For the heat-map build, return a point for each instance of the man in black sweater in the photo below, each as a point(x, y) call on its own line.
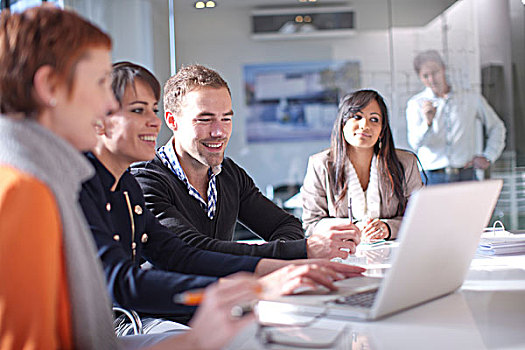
point(199, 194)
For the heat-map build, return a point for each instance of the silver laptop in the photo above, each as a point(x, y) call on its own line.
point(438, 238)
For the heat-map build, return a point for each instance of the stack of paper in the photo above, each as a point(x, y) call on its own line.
point(502, 244)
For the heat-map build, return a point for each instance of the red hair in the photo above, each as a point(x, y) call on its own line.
point(41, 36)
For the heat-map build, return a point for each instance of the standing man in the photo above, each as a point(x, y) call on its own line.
point(189, 184)
point(443, 125)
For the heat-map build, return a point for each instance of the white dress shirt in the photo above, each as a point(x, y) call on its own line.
point(365, 204)
point(454, 137)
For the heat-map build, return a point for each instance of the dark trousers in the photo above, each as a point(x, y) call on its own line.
point(440, 176)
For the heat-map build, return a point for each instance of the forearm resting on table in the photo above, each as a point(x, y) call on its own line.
point(266, 266)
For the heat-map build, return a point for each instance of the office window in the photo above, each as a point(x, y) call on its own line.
point(480, 41)
point(21, 5)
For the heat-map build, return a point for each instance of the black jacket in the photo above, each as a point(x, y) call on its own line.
point(147, 291)
point(238, 199)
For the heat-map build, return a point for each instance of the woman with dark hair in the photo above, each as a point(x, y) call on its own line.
point(361, 175)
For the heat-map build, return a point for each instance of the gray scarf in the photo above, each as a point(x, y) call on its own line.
point(33, 149)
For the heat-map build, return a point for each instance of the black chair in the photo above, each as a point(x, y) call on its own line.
point(280, 194)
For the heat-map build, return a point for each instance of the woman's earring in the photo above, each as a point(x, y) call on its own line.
point(99, 127)
point(380, 144)
point(52, 102)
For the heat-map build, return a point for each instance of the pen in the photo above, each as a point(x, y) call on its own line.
point(379, 243)
point(238, 311)
point(191, 298)
point(350, 209)
point(196, 296)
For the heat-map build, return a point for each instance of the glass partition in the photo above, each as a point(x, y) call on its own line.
point(285, 83)
point(21, 5)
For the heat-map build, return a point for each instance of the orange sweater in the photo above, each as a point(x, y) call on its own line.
point(34, 298)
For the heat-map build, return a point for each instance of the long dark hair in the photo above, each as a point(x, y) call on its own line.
point(384, 147)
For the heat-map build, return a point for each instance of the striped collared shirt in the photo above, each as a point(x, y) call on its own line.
point(169, 158)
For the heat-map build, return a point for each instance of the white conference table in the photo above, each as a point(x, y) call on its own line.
point(488, 312)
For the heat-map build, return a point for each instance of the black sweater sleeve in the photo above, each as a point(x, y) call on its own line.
point(164, 193)
point(165, 250)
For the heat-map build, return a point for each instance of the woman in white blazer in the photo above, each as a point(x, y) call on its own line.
point(361, 175)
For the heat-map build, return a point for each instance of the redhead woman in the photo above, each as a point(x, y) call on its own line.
point(361, 175)
point(55, 76)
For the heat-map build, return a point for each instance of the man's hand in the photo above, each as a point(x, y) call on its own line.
point(429, 111)
point(329, 236)
point(306, 275)
point(478, 162)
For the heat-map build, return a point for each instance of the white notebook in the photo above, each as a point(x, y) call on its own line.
point(503, 242)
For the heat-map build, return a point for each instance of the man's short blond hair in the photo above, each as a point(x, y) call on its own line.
point(188, 79)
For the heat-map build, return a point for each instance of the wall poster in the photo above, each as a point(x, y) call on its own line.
point(296, 101)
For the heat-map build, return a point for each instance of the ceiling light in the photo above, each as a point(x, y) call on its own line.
point(205, 4)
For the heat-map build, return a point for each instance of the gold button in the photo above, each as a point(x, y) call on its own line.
point(144, 238)
point(138, 210)
point(108, 206)
point(116, 238)
point(133, 245)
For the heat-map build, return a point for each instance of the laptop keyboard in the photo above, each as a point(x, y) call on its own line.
point(363, 299)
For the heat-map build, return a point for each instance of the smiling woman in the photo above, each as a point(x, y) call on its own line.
point(363, 129)
point(361, 175)
point(54, 86)
point(128, 134)
point(90, 87)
